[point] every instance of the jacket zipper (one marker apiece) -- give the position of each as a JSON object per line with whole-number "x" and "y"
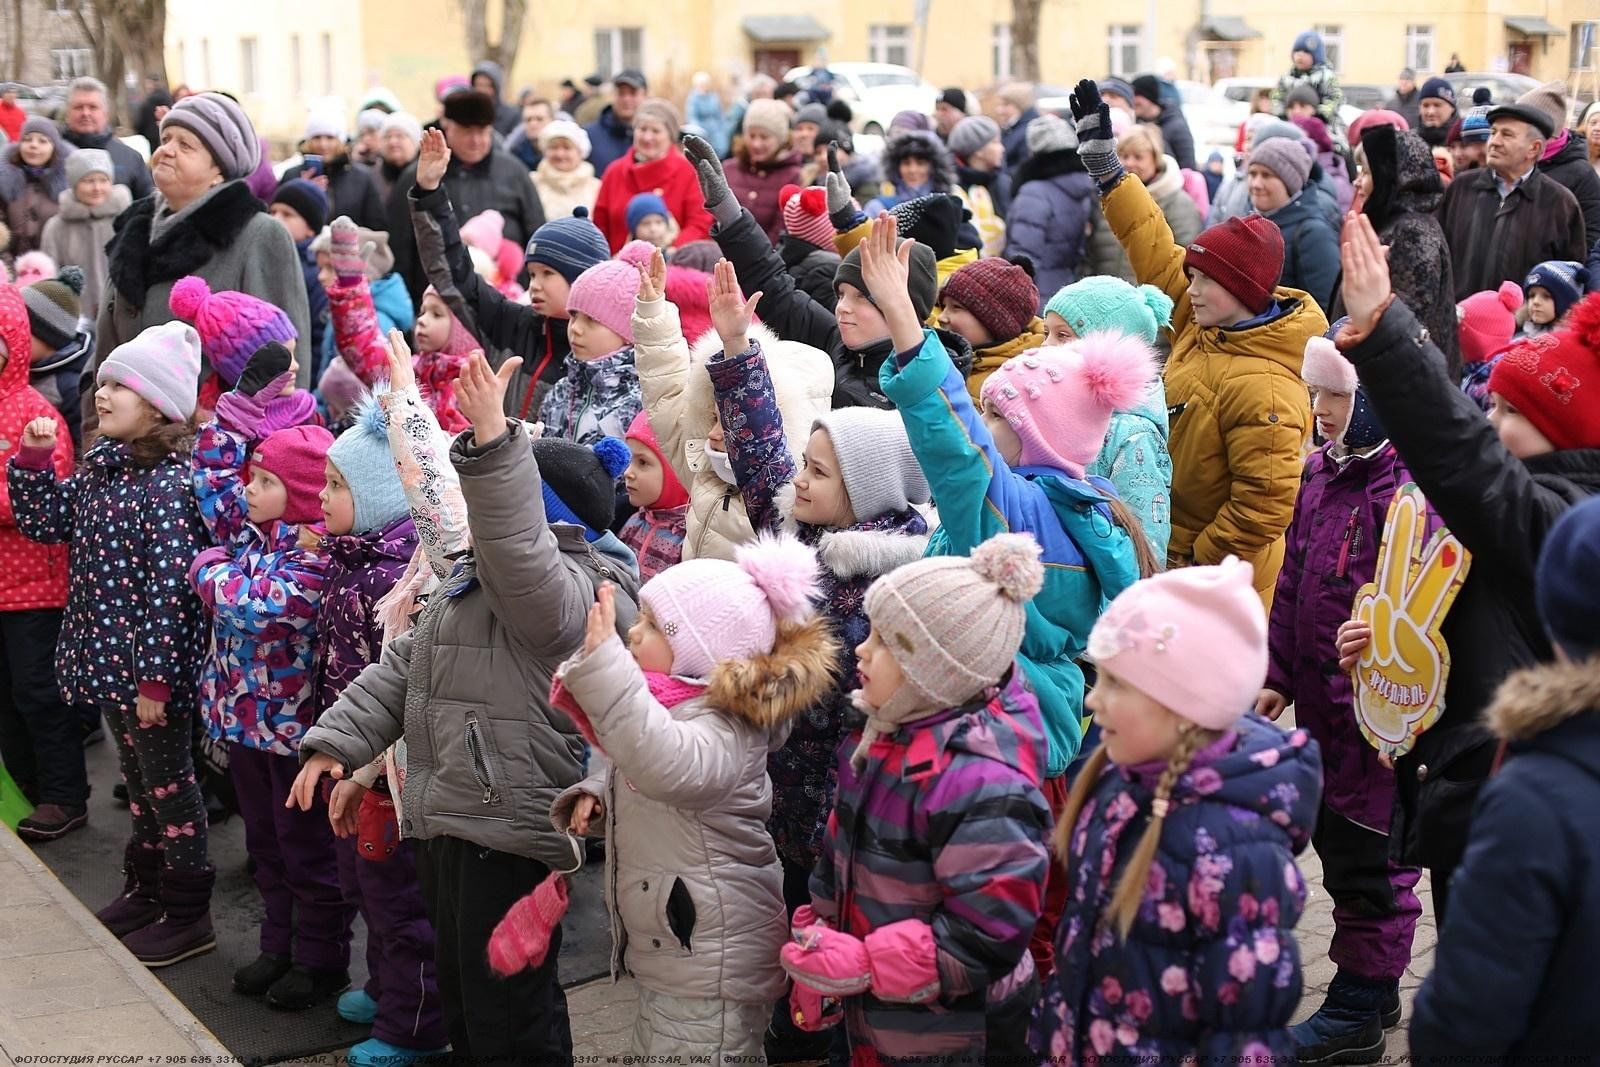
{"x": 1351, "y": 541}
{"x": 600, "y": 565}
{"x": 480, "y": 766}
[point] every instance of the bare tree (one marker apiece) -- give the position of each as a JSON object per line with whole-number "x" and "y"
{"x": 128, "y": 35}
{"x": 17, "y": 52}
{"x": 1025, "y": 39}
{"x": 504, "y": 51}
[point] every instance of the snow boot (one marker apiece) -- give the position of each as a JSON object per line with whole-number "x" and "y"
{"x": 1348, "y": 1028}
{"x": 138, "y": 904}
{"x": 184, "y": 929}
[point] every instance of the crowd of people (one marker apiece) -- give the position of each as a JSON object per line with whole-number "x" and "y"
{"x": 893, "y": 570}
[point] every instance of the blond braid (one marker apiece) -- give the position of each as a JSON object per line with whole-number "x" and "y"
{"x": 1124, "y": 906}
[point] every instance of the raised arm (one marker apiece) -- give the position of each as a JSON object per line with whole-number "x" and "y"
{"x": 661, "y": 357}
{"x": 421, "y": 452}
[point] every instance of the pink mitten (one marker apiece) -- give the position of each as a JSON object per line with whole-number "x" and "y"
{"x": 344, "y": 248}
{"x": 805, "y": 917}
{"x": 828, "y": 961}
{"x": 811, "y": 1011}
{"x": 904, "y": 962}
{"x": 522, "y": 938}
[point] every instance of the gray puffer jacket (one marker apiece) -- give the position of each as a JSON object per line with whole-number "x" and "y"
{"x": 469, "y": 686}
{"x": 693, "y": 884}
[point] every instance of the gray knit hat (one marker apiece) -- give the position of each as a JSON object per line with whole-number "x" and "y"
{"x": 53, "y": 307}
{"x": 881, "y": 474}
{"x": 87, "y": 161}
{"x": 972, "y": 133}
{"x": 1285, "y": 158}
{"x": 223, "y": 128}
{"x": 923, "y": 284}
{"x": 1051, "y": 133}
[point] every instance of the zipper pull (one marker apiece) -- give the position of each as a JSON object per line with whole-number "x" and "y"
{"x": 488, "y": 795}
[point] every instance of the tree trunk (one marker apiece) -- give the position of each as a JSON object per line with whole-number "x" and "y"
{"x": 132, "y": 37}
{"x": 17, "y": 51}
{"x": 503, "y": 51}
{"x": 1025, "y": 39}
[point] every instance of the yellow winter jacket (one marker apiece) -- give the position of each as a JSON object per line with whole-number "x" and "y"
{"x": 985, "y": 361}
{"x": 1240, "y": 415}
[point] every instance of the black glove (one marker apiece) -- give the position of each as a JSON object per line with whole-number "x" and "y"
{"x": 270, "y": 361}
{"x": 1097, "y": 144}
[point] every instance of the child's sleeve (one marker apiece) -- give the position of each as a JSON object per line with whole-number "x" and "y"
{"x": 217, "y": 469}
{"x": 824, "y": 883}
{"x": 60, "y": 460}
{"x": 171, "y": 540}
{"x": 785, "y": 309}
{"x": 437, "y": 373}
{"x": 752, "y": 429}
{"x": 40, "y": 492}
{"x": 1282, "y": 646}
{"x": 443, "y": 256}
{"x": 433, "y": 491}
{"x": 370, "y": 715}
{"x": 249, "y": 603}
{"x": 1141, "y": 227}
{"x": 661, "y": 358}
{"x": 356, "y": 336}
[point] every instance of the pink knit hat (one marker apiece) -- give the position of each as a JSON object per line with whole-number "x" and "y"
{"x": 686, "y": 290}
{"x": 711, "y": 610}
{"x": 298, "y": 458}
{"x": 1488, "y": 321}
{"x": 805, "y": 215}
{"x": 231, "y": 325}
{"x": 1194, "y": 640}
{"x": 461, "y": 342}
{"x": 673, "y": 494}
{"x": 606, "y": 293}
{"x": 1059, "y": 400}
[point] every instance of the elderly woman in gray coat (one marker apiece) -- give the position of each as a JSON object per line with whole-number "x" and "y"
{"x": 202, "y": 219}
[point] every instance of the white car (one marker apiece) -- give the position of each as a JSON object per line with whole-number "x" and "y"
{"x": 874, "y": 91}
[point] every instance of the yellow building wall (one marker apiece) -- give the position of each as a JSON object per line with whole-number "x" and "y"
{"x": 407, "y": 45}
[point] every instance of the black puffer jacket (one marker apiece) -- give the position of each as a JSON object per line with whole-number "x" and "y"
{"x": 1571, "y": 167}
{"x": 812, "y": 269}
{"x": 351, "y": 191}
{"x": 1501, "y": 508}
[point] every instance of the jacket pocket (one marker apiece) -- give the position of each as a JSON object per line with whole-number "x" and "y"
{"x": 468, "y": 778}
{"x": 657, "y": 912}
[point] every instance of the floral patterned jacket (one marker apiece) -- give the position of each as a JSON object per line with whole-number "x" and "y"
{"x": 596, "y": 399}
{"x": 1210, "y": 972}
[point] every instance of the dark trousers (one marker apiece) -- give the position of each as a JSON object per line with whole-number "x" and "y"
{"x": 297, "y": 868}
{"x": 1042, "y": 944}
{"x": 164, "y": 802}
{"x": 1439, "y": 882}
{"x": 41, "y": 740}
{"x": 1375, "y": 910}
{"x": 521, "y": 1019}
{"x": 400, "y": 971}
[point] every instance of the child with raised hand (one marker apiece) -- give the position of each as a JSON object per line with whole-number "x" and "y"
{"x": 233, "y": 327}
{"x": 932, "y": 872}
{"x": 467, "y": 687}
{"x": 131, "y": 639}
{"x": 600, "y": 394}
{"x": 262, "y": 585}
{"x": 723, "y": 657}
{"x": 1179, "y": 839}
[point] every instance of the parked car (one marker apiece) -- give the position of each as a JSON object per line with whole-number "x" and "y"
{"x": 1365, "y": 97}
{"x": 874, "y": 91}
{"x": 1503, "y": 88}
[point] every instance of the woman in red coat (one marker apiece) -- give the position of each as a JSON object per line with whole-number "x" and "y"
{"x": 764, "y": 164}
{"x": 656, "y": 165}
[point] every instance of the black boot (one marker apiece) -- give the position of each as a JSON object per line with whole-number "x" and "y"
{"x": 1348, "y": 1028}
{"x": 139, "y": 903}
{"x": 304, "y": 987}
{"x": 1389, "y": 1011}
{"x": 184, "y": 929}
{"x": 256, "y": 977}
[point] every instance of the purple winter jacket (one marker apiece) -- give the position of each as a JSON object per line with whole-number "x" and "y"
{"x": 361, "y": 569}
{"x": 1331, "y": 551}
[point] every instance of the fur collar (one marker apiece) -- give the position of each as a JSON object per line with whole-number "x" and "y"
{"x": 73, "y": 210}
{"x": 769, "y": 690}
{"x": 135, "y": 263}
{"x": 1169, "y": 181}
{"x": 1533, "y": 701}
{"x": 868, "y": 553}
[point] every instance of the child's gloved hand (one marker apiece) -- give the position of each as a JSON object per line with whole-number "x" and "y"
{"x": 264, "y": 375}
{"x": 1097, "y": 144}
{"x": 828, "y": 961}
{"x": 344, "y": 248}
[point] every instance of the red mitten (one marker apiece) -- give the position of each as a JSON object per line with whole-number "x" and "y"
{"x": 828, "y": 961}
{"x": 377, "y": 832}
{"x": 811, "y": 1011}
{"x": 522, "y": 938}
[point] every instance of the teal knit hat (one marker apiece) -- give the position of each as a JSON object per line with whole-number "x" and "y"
{"x": 1106, "y": 303}
{"x": 362, "y": 455}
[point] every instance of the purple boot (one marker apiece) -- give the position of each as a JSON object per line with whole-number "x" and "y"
{"x": 184, "y": 929}
{"x": 138, "y": 904}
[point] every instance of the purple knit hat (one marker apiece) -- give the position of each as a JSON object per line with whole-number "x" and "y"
{"x": 232, "y": 325}
{"x": 606, "y": 293}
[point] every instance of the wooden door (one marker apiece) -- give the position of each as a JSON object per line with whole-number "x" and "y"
{"x": 776, "y": 62}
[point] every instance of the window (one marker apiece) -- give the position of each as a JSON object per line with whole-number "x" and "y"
{"x": 66, "y": 63}
{"x": 327, "y": 63}
{"x": 1419, "y": 47}
{"x": 889, "y": 43}
{"x": 1000, "y": 67}
{"x": 618, "y": 48}
{"x": 183, "y": 61}
{"x": 247, "y": 65}
{"x": 62, "y": 8}
{"x": 1333, "y": 44}
{"x": 1122, "y": 51}
{"x": 297, "y": 81}
{"x": 1585, "y": 43}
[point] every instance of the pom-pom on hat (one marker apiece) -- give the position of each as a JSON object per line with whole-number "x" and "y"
{"x": 606, "y": 293}
{"x": 1060, "y": 400}
{"x": 1554, "y": 379}
{"x": 297, "y": 457}
{"x": 1194, "y": 640}
{"x": 1000, "y": 294}
{"x": 880, "y": 472}
{"x": 161, "y": 364}
{"x": 1488, "y": 320}
{"x": 569, "y": 246}
{"x": 53, "y": 307}
{"x": 805, "y": 215}
{"x": 1244, "y": 255}
{"x": 362, "y": 455}
{"x": 579, "y": 482}
{"x": 711, "y": 610}
{"x": 232, "y": 325}
{"x": 1104, "y": 302}
{"x": 1563, "y": 279}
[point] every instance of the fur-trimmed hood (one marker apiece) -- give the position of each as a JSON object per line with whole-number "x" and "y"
{"x": 802, "y": 383}
{"x": 869, "y": 553}
{"x": 73, "y": 209}
{"x": 923, "y": 144}
{"x": 1536, "y": 700}
{"x": 769, "y": 690}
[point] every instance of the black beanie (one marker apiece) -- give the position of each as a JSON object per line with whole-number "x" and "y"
{"x": 468, "y": 107}
{"x": 923, "y": 284}
{"x": 1147, "y": 86}
{"x": 582, "y": 477}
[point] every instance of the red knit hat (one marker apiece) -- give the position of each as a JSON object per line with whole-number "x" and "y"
{"x": 805, "y": 215}
{"x": 672, "y": 492}
{"x": 1243, "y": 255}
{"x": 298, "y": 458}
{"x": 1554, "y": 379}
{"x": 1000, "y": 295}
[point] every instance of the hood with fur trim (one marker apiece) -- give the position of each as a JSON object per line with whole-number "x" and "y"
{"x": 1539, "y": 699}
{"x": 868, "y": 553}
{"x": 769, "y": 690}
{"x": 923, "y": 144}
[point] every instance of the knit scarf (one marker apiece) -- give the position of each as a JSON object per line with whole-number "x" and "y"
{"x": 670, "y": 690}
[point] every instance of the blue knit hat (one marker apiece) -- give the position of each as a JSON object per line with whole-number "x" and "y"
{"x": 569, "y": 246}
{"x": 642, "y": 206}
{"x": 1475, "y": 124}
{"x": 1564, "y": 586}
{"x": 1311, "y": 41}
{"x": 1102, "y": 302}
{"x": 1564, "y": 279}
{"x": 362, "y": 455}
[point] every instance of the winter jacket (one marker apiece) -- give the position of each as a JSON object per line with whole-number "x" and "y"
{"x": 705, "y": 110}
{"x": 360, "y": 318}
{"x": 30, "y": 196}
{"x": 1183, "y": 219}
{"x": 1233, "y": 198}
{"x": 597, "y": 398}
{"x": 610, "y": 139}
{"x": 562, "y": 191}
{"x": 1500, "y": 508}
{"x": 1136, "y": 462}
{"x": 1310, "y": 250}
{"x": 1210, "y": 971}
{"x": 506, "y": 329}
{"x": 655, "y": 536}
{"x": 1331, "y": 552}
{"x": 384, "y": 174}
{"x": 262, "y": 591}
{"x": 693, "y": 886}
{"x": 226, "y": 237}
{"x": 986, "y": 194}
{"x": 756, "y": 187}
{"x": 1088, "y": 558}
{"x": 985, "y": 361}
{"x": 792, "y": 315}
{"x": 1175, "y": 134}
{"x": 1514, "y": 970}
{"x": 1493, "y": 240}
{"x": 944, "y": 824}
{"x": 469, "y": 686}
{"x": 1407, "y": 105}
{"x": 1049, "y": 218}
{"x": 672, "y": 177}
{"x": 1015, "y": 139}
{"x": 133, "y": 626}
{"x": 58, "y": 378}
{"x": 1323, "y": 81}
{"x": 812, "y": 268}
{"x": 351, "y": 191}
{"x": 677, "y": 391}
{"x": 497, "y": 181}
{"x": 361, "y": 569}
{"x": 78, "y": 235}
{"x": 804, "y": 771}
{"x": 893, "y": 191}
{"x": 507, "y": 117}
{"x": 33, "y": 575}
{"x": 1568, "y": 164}
{"x": 1238, "y": 411}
